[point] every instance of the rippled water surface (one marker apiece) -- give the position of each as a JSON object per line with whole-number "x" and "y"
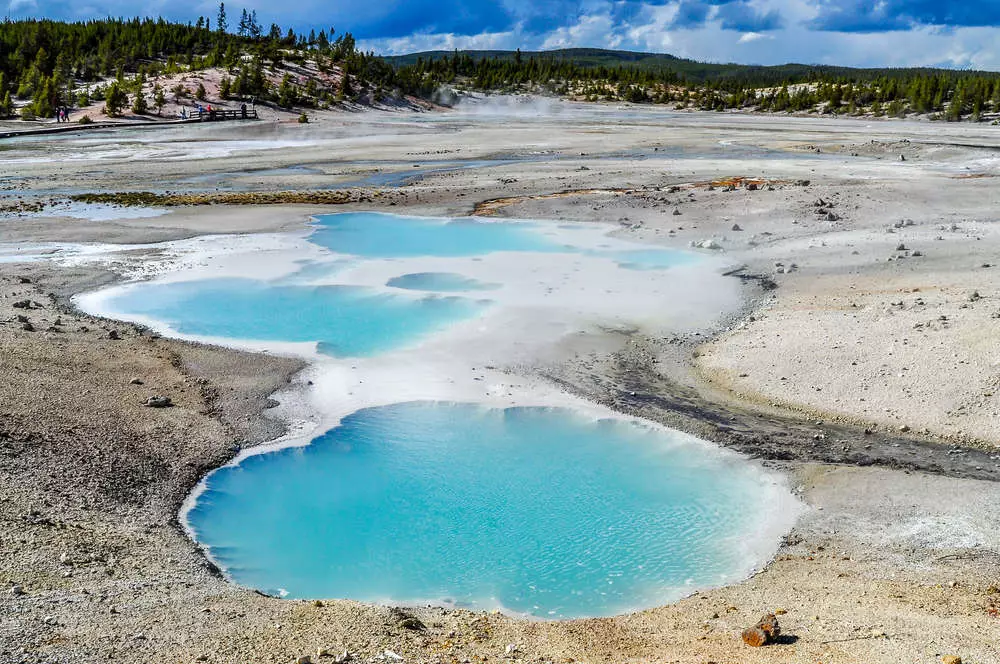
{"x": 540, "y": 511}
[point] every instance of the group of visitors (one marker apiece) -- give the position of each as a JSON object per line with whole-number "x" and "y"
{"x": 62, "y": 114}
{"x": 207, "y": 110}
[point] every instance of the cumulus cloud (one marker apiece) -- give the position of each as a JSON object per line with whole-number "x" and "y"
{"x": 848, "y": 32}
{"x": 893, "y": 15}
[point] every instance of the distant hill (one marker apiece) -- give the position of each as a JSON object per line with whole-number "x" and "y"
{"x": 692, "y": 70}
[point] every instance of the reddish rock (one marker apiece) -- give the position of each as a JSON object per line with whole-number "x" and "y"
{"x": 766, "y": 631}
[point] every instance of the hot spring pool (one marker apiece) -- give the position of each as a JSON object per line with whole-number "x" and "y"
{"x": 540, "y": 511}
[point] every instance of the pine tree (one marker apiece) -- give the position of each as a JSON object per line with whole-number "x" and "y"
{"x": 286, "y": 92}
{"x": 220, "y": 21}
{"x": 139, "y": 105}
{"x": 114, "y": 100}
{"x": 253, "y": 26}
{"x": 159, "y": 98}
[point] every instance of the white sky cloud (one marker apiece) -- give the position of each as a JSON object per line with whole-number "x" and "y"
{"x": 650, "y": 28}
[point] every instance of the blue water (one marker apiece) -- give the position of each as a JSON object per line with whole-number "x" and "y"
{"x": 540, "y": 511}
{"x": 441, "y": 282}
{"x": 351, "y": 321}
{"x": 344, "y": 320}
{"x": 376, "y": 235}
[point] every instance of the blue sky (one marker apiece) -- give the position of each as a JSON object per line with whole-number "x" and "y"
{"x": 849, "y": 32}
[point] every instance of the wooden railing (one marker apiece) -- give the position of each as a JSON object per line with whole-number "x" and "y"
{"x": 218, "y": 114}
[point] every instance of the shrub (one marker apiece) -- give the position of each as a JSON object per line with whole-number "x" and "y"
{"x": 303, "y": 118}
{"x": 85, "y": 120}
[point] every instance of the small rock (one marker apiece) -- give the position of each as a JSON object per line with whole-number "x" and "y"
{"x": 305, "y": 659}
{"x": 510, "y": 649}
{"x": 412, "y": 623}
{"x": 736, "y": 227}
{"x": 16, "y": 590}
{"x": 902, "y": 157}
{"x": 974, "y": 296}
{"x": 900, "y": 247}
{"x": 394, "y": 656}
{"x": 158, "y": 402}
{"x": 764, "y": 632}
{"x": 135, "y": 381}
{"x": 951, "y": 659}
{"x": 677, "y": 212}
{"x": 113, "y": 335}
{"x": 28, "y": 327}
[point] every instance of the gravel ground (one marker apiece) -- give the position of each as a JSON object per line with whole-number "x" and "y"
{"x": 896, "y": 561}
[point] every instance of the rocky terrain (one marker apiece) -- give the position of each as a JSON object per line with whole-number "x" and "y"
{"x": 862, "y": 365}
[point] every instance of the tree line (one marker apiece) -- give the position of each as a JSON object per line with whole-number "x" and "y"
{"x": 46, "y": 64}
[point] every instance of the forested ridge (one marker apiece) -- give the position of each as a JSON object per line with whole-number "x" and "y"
{"x": 48, "y": 64}
{"x": 596, "y": 75}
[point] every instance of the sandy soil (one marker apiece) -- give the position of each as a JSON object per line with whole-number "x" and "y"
{"x": 897, "y": 561}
